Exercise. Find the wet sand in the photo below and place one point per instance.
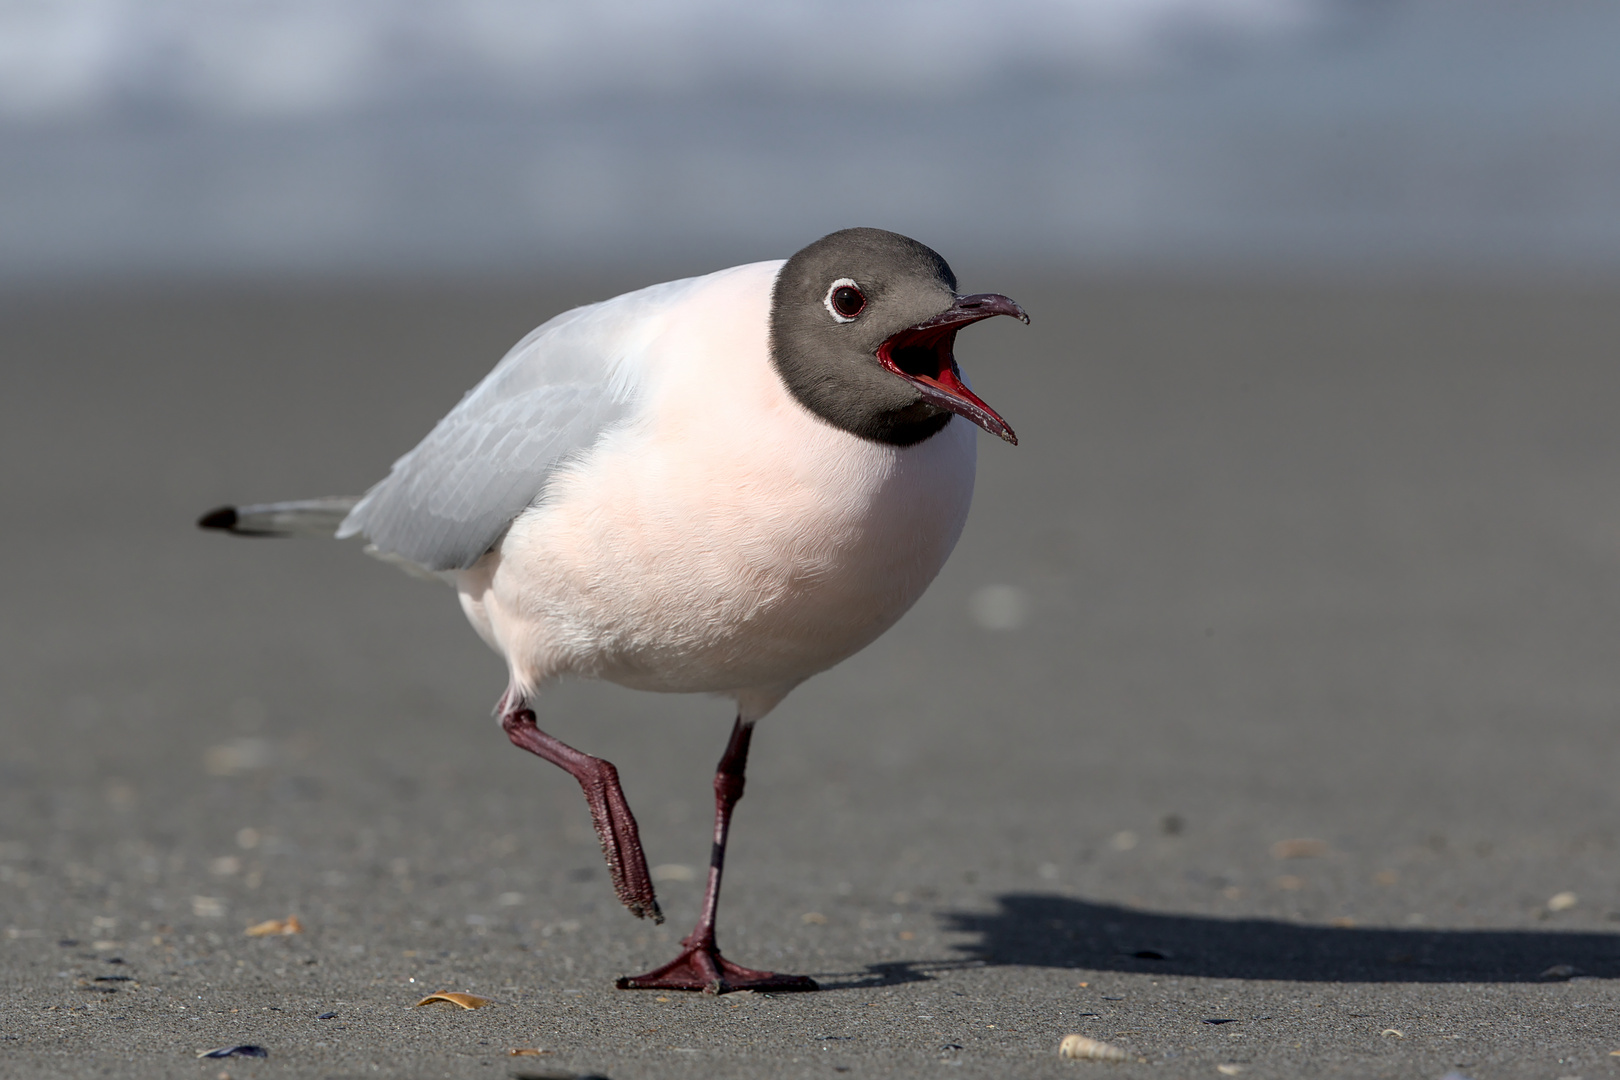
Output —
(1281, 563)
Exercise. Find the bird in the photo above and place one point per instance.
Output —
(724, 484)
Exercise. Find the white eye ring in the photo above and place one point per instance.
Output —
(827, 301)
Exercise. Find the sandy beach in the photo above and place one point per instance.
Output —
(1267, 716)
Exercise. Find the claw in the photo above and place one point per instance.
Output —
(702, 968)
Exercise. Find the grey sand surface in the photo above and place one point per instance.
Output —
(1277, 563)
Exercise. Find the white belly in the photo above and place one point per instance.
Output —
(725, 540)
(741, 561)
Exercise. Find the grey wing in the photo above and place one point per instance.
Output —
(449, 500)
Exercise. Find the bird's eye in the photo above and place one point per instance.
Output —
(845, 300)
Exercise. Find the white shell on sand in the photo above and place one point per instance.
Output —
(1080, 1048)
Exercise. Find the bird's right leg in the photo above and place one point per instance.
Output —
(610, 813)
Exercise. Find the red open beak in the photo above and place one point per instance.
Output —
(922, 355)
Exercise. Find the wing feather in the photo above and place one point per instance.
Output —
(449, 500)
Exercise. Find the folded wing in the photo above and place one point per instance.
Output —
(548, 402)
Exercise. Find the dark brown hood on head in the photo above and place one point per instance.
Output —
(862, 327)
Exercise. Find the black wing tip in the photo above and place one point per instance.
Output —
(222, 518)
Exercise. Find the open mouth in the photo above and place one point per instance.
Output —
(922, 355)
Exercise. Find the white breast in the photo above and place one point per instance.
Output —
(726, 539)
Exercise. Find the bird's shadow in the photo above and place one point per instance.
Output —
(1046, 930)
(891, 973)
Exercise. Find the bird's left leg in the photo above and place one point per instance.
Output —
(700, 965)
(610, 813)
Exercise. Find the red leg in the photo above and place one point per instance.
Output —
(610, 813)
(700, 965)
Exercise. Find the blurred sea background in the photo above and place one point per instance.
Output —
(179, 139)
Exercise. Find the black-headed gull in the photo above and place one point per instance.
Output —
(724, 484)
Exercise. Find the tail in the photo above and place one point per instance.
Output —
(305, 517)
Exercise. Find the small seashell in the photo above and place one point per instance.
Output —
(466, 1001)
(1080, 1048)
(527, 1051)
(273, 927)
(1228, 1070)
(1393, 1033)
(1299, 849)
(1562, 901)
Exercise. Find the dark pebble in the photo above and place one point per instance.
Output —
(245, 1050)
